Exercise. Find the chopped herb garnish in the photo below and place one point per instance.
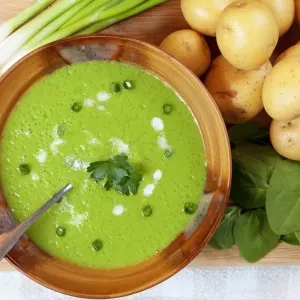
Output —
(190, 208)
(116, 87)
(60, 231)
(167, 109)
(97, 245)
(76, 107)
(61, 131)
(24, 169)
(168, 153)
(147, 211)
(119, 174)
(128, 85)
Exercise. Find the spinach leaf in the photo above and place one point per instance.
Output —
(252, 168)
(223, 237)
(254, 236)
(262, 138)
(283, 198)
(249, 132)
(291, 239)
(240, 134)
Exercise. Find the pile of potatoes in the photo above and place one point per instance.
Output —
(242, 79)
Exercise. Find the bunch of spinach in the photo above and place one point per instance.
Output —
(265, 186)
(223, 237)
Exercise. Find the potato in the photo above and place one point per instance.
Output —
(285, 138)
(203, 15)
(237, 93)
(281, 91)
(297, 2)
(284, 12)
(190, 48)
(247, 34)
(290, 52)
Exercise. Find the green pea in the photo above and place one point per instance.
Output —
(167, 109)
(147, 211)
(190, 208)
(128, 85)
(61, 231)
(116, 87)
(61, 131)
(168, 153)
(24, 169)
(76, 107)
(97, 245)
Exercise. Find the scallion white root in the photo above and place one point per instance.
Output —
(16, 41)
(14, 23)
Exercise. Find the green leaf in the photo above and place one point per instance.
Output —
(252, 168)
(98, 170)
(249, 132)
(240, 134)
(223, 237)
(130, 184)
(291, 239)
(115, 173)
(262, 138)
(119, 174)
(283, 198)
(254, 236)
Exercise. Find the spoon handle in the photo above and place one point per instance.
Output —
(10, 238)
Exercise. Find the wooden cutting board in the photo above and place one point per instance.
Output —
(152, 26)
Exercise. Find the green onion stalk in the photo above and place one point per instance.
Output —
(16, 41)
(14, 23)
(115, 11)
(56, 24)
(92, 19)
(127, 14)
(95, 6)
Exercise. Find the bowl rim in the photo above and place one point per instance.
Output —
(222, 206)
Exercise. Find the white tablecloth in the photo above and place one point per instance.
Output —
(232, 283)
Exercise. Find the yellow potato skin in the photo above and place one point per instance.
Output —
(281, 91)
(297, 2)
(237, 93)
(289, 53)
(203, 15)
(190, 48)
(247, 34)
(284, 12)
(285, 138)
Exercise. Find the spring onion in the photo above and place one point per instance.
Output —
(11, 25)
(49, 25)
(108, 22)
(87, 11)
(37, 40)
(56, 24)
(24, 169)
(128, 85)
(16, 41)
(116, 87)
(95, 17)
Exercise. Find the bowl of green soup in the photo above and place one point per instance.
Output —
(142, 143)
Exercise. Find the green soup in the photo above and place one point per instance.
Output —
(76, 116)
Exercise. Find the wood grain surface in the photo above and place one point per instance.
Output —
(152, 26)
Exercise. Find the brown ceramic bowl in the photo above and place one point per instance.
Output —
(96, 283)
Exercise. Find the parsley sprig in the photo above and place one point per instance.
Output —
(119, 174)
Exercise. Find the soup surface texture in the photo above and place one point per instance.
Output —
(81, 114)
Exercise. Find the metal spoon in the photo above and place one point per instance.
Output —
(10, 238)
